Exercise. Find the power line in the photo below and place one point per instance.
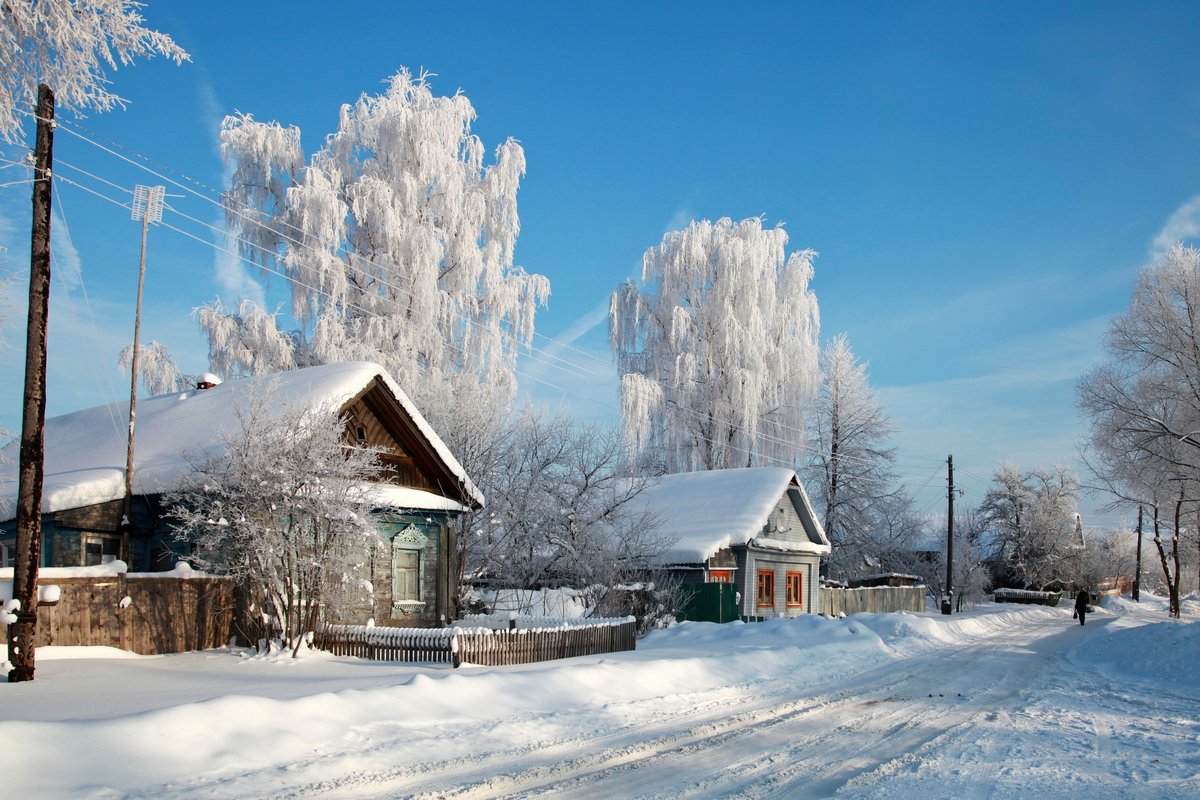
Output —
(292, 280)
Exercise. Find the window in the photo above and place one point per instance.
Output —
(6, 555)
(100, 549)
(720, 576)
(795, 590)
(766, 588)
(408, 546)
(406, 575)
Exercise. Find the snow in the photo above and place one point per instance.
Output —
(1003, 702)
(86, 450)
(706, 511)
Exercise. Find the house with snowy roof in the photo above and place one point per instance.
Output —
(421, 488)
(752, 528)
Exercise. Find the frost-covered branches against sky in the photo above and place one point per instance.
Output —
(849, 470)
(68, 45)
(1143, 403)
(398, 238)
(159, 372)
(1033, 521)
(557, 509)
(718, 348)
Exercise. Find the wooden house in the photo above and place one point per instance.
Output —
(752, 528)
(421, 489)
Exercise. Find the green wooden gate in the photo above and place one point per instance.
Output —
(709, 602)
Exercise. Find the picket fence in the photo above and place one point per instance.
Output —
(480, 645)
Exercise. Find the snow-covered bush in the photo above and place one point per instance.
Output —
(284, 508)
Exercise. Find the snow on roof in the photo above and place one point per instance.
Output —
(85, 450)
(706, 511)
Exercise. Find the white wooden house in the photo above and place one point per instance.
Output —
(753, 528)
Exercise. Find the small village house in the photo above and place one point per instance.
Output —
(753, 529)
(422, 487)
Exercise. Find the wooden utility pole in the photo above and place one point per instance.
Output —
(22, 635)
(948, 602)
(147, 208)
(1137, 575)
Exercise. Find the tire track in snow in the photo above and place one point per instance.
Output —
(887, 723)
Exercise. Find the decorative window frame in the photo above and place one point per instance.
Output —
(409, 539)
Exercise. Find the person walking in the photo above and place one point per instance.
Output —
(1081, 605)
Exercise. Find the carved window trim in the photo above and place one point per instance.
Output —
(408, 541)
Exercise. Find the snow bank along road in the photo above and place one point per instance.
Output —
(1001, 702)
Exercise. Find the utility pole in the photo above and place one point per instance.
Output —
(948, 600)
(147, 207)
(1137, 576)
(22, 635)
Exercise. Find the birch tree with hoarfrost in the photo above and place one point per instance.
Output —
(717, 350)
(67, 44)
(849, 466)
(398, 243)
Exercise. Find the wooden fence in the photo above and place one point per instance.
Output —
(143, 614)
(483, 646)
(837, 602)
(154, 615)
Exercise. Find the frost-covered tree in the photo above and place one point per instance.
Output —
(1035, 530)
(1143, 404)
(284, 508)
(557, 512)
(972, 576)
(68, 44)
(159, 372)
(717, 350)
(398, 243)
(1106, 555)
(849, 465)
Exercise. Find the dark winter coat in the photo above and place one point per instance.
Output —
(1081, 603)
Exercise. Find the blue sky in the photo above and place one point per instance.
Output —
(982, 180)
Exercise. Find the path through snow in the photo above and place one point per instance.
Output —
(1002, 702)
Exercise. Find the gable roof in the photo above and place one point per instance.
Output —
(85, 451)
(707, 511)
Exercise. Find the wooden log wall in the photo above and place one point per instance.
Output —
(161, 615)
(837, 602)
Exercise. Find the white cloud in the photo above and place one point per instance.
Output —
(66, 266)
(1182, 226)
(679, 220)
(1019, 406)
(234, 280)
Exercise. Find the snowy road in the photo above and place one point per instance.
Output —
(779, 738)
(1004, 702)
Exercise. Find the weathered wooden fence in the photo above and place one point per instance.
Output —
(478, 645)
(837, 602)
(140, 613)
(1026, 596)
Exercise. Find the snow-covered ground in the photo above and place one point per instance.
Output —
(1003, 701)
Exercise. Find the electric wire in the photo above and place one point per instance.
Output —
(802, 447)
(294, 281)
